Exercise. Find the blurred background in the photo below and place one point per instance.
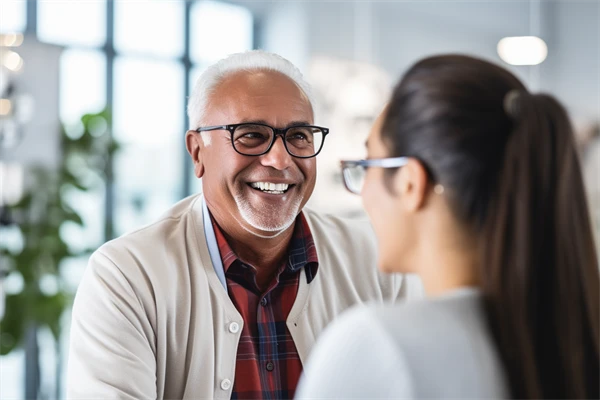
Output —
(92, 118)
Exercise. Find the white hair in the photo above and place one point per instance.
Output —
(247, 61)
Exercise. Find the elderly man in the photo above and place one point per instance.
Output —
(225, 295)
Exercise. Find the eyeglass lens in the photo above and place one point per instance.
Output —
(254, 139)
(354, 178)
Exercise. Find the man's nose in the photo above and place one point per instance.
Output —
(277, 157)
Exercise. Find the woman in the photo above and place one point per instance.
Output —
(474, 184)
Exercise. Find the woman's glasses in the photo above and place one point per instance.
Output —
(354, 171)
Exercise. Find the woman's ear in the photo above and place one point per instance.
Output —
(193, 143)
(410, 183)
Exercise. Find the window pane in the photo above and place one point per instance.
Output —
(12, 367)
(148, 123)
(72, 22)
(150, 27)
(13, 16)
(82, 84)
(148, 100)
(219, 29)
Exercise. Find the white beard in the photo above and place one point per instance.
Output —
(266, 222)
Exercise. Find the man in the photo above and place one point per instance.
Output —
(225, 295)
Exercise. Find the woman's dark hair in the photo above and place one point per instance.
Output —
(508, 161)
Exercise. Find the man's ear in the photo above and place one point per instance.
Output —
(411, 185)
(193, 143)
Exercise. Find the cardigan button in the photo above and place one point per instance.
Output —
(234, 327)
(225, 384)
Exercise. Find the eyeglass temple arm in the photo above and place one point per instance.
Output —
(211, 128)
(393, 162)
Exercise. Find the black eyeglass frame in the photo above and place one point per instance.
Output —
(390, 162)
(276, 132)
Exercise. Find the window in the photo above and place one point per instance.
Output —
(148, 122)
(72, 22)
(219, 29)
(82, 83)
(154, 28)
(12, 16)
(145, 71)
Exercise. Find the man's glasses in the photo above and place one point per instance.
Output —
(354, 172)
(250, 139)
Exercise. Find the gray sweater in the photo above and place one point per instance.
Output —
(435, 348)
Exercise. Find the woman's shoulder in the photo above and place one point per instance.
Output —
(459, 309)
(354, 358)
(446, 340)
(447, 318)
(436, 329)
(431, 347)
(352, 329)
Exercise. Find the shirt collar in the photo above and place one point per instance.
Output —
(301, 251)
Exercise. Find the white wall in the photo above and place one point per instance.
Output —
(402, 32)
(573, 64)
(395, 34)
(286, 31)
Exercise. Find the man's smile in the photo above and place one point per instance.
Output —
(271, 187)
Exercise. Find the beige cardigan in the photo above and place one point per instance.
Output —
(152, 320)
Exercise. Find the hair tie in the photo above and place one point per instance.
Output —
(511, 103)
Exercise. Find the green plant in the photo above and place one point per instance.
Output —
(38, 218)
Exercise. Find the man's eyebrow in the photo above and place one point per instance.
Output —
(262, 121)
(298, 123)
(253, 121)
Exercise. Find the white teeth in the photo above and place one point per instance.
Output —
(270, 187)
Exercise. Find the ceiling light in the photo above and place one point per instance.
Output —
(11, 40)
(5, 107)
(12, 60)
(522, 50)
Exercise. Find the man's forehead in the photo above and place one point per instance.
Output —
(257, 80)
(245, 92)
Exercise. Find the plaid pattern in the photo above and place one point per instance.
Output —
(267, 364)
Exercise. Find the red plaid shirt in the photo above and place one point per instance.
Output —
(267, 364)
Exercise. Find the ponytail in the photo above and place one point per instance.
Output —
(510, 166)
(539, 271)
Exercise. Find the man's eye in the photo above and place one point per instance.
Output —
(254, 135)
(251, 135)
(298, 136)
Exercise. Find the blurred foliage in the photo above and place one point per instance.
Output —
(38, 218)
